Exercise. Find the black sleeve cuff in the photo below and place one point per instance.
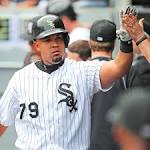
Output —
(126, 47)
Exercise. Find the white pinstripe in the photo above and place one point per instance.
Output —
(55, 128)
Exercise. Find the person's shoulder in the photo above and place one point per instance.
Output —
(69, 61)
(141, 63)
(29, 66)
(26, 68)
(97, 61)
(72, 63)
(139, 59)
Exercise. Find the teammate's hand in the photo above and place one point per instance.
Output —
(132, 25)
(122, 33)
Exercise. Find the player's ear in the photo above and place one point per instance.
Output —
(36, 45)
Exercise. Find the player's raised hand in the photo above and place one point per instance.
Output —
(132, 25)
(122, 33)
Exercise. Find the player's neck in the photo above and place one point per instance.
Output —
(48, 68)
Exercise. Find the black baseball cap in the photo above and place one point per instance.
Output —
(48, 25)
(28, 34)
(103, 31)
(132, 111)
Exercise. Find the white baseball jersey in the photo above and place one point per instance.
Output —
(51, 111)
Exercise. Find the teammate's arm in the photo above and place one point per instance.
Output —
(2, 129)
(114, 69)
(136, 31)
(144, 47)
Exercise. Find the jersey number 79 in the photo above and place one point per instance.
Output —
(32, 107)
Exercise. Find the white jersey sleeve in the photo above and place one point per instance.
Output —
(8, 104)
(93, 76)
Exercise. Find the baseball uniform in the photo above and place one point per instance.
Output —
(51, 110)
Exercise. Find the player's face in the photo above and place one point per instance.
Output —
(52, 48)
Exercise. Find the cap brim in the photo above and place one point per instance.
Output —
(50, 32)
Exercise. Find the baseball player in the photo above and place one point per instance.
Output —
(50, 100)
(101, 136)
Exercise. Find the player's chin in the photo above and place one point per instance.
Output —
(57, 59)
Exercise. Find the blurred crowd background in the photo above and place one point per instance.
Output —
(14, 18)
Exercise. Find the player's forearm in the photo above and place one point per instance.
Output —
(143, 43)
(123, 62)
(144, 47)
(124, 57)
(112, 70)
(2, 129)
